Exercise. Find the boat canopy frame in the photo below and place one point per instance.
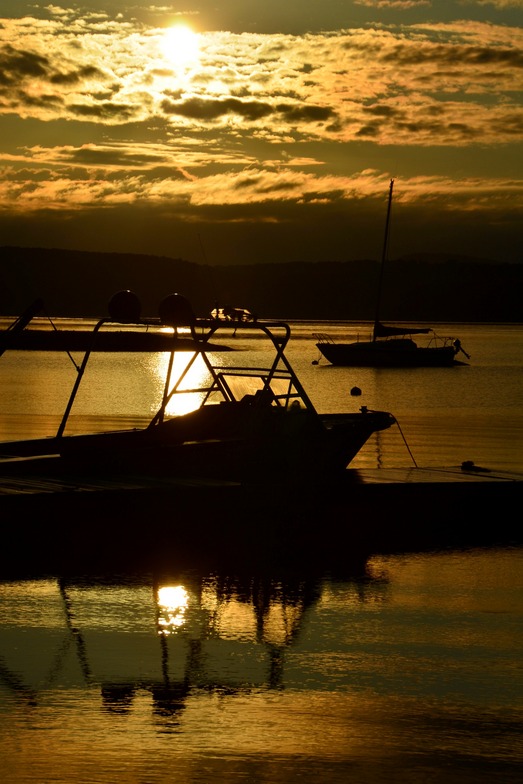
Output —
(201, 331)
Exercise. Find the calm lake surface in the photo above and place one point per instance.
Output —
(445, 415)
(405, 669)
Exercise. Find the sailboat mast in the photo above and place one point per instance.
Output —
(383, 258)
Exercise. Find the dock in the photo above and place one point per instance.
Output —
(57, 519)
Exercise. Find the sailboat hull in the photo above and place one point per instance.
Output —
(387, 353)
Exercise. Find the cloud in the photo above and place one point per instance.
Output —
(18, 66)
(457, 56)
(71, 178)
(321, 86)
(252, 111)
(496, 3)
(397, 5)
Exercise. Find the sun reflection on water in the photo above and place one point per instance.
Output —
(173, 601)
(206, 613)
(196, 378)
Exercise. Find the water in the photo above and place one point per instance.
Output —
(405, 669)
(445, 415)
(408, 673)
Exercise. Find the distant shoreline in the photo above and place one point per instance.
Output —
(80, 340)
(428, 288)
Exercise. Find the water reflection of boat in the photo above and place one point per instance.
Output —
(166, 640)
(391, 346)
(246, 424)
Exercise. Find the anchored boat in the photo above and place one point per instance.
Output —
(392, 346)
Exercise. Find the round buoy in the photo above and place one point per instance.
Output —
(176, 311)
(355, 391)
(125, 307)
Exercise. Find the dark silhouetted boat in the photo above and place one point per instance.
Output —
(247, 423)
(253, 475)
(391, 346)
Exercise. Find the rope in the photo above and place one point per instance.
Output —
(405, 442)
(67, 352)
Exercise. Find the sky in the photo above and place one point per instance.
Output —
(246, 132)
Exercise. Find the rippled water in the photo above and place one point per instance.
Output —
(406, 669)
(410, 671)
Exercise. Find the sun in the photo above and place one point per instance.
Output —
(180, 45)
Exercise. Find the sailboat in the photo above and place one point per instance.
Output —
(392, 346)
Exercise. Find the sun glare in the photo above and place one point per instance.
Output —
(172, 601)
(180, 45)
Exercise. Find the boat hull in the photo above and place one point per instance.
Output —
(380, 354)
(227, 442)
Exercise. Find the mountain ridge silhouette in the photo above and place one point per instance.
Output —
(421, 287)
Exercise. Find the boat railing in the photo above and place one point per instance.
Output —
(438, 341)
(276, 383)
(322, 337)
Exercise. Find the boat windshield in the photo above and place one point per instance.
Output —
(280, 390)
